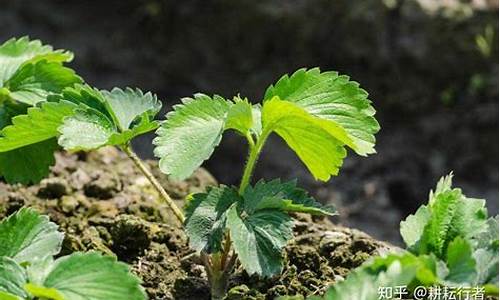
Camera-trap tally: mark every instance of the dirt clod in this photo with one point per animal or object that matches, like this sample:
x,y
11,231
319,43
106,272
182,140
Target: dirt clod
x,y
53,188
104,185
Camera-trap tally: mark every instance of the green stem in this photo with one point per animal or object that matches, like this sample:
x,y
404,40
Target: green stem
x,y
163,194
253,155
219,267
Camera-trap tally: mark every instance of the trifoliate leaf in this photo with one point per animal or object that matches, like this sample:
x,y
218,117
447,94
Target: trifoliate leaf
x,y
34,82
39,124
319,143
412,227
16,52
12,279
206,217
258,239
240,116
26,236
282,196
87,129
460,263
83,276
28,164
107,118
331,96
190,134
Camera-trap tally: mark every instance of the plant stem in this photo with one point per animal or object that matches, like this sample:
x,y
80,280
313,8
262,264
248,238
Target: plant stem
x,y
254,151
219,266
145,170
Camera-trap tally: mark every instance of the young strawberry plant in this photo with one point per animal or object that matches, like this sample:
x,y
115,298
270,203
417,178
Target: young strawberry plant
x,y
452,245
318,114
44,105
28,270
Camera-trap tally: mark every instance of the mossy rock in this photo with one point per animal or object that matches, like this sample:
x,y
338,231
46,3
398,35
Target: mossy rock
x,y
103,203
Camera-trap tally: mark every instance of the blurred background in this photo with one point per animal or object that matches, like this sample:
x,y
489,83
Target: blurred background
x,y
430,66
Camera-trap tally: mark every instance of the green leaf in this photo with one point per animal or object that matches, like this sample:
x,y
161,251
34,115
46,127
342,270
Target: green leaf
x,y
448,215
107,118
489,237
190,134
124,137
460,263
26,236
8,296
12,279
206,217
240,116
486,261
257,119
412,227
127,105
16,52
434,238
10,109
82,276
469,219
28,164
33,83
258,239
43,292
331,96
83,94
282,196
369,281
319,143
87,129
39,124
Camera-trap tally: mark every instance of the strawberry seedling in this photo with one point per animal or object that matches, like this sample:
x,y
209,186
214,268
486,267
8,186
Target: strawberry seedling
x,y
318,114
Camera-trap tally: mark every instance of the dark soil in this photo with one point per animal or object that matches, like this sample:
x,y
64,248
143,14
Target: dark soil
x,y
103,203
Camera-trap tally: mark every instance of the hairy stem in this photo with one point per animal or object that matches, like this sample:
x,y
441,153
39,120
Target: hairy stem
x,y
163,194
254,151
219,267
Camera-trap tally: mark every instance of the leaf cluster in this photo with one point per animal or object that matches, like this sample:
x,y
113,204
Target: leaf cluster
x,y
451,242
257,221
44,105
318,114
28,269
